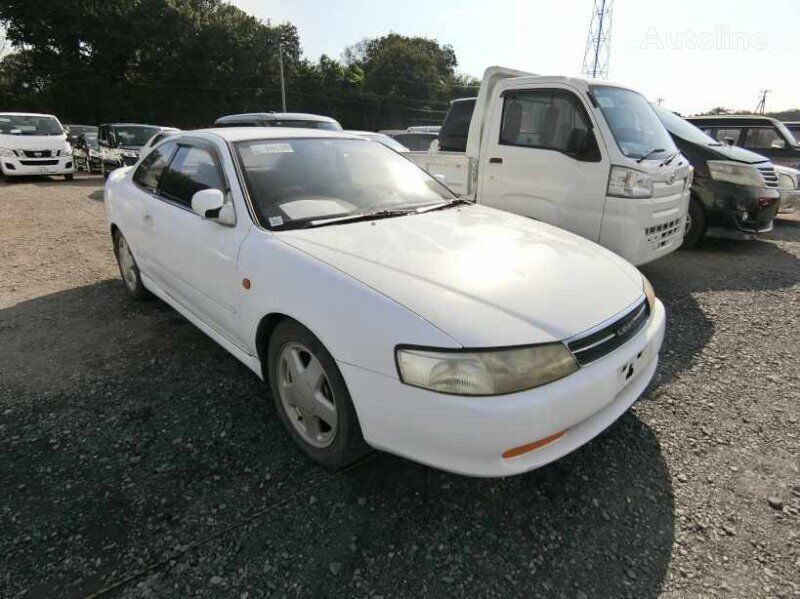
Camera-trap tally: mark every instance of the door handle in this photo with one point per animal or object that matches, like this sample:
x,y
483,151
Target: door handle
x,y
495,161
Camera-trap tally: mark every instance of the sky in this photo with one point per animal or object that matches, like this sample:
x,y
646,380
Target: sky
x,y
694,54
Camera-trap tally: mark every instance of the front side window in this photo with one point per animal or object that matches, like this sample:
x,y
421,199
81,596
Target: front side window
x,y
763,138
18,124
633,123
150,171
728,136
295,181
551,119
193,169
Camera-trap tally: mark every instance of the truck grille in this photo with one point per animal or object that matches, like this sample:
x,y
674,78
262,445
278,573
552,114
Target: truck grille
x,y
38,162
660,235
595,345
769,175
39,153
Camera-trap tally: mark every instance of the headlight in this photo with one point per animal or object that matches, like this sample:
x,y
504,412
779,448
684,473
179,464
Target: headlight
x,y
732,172
94,153
626,182
492,372
689,178
649,293
67,150
785,181
5,152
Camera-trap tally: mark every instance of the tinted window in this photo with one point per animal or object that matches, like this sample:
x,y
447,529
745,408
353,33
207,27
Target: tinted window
x,y
298,180
726,136
551,119
150,171
193,169
762,138
454,131
133,135
683,129
795,131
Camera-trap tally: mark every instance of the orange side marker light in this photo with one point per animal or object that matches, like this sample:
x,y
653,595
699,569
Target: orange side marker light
x,y
512,453
246,283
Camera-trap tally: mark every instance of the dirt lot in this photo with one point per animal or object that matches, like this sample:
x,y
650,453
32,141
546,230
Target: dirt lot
x,y
138,459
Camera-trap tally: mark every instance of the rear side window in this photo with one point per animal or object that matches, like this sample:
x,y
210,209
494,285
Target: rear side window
x,y
548,119
150,171
726,136
762,138
193,169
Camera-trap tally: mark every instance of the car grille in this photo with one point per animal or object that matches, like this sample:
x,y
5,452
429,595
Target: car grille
x,y
595,345
39,153
769,175
660,235
38,162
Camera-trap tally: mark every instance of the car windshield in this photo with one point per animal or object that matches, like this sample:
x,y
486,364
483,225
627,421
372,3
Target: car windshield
x,y
17,124
633,122
295,181
134,135
91,140
684,129
326,125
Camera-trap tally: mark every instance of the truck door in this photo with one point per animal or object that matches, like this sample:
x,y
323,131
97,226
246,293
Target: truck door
x,y
541,158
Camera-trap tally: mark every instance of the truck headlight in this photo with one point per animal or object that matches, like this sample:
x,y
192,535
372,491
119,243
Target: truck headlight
x,y
488,372
94,153
733,172
624,182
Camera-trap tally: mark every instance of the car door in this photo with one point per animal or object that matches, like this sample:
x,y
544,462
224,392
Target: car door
x,y
542,160
195,257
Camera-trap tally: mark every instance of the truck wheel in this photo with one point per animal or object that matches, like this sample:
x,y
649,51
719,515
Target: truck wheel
x,y
311,397
695,224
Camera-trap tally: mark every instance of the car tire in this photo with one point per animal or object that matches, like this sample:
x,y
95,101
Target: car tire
x,y
128,269
696,225
335,441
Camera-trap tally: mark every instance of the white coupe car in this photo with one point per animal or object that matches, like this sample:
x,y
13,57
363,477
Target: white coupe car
x,y
382,310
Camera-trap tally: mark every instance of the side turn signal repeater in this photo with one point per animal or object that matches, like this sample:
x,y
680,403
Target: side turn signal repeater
x,y
516,451
246,283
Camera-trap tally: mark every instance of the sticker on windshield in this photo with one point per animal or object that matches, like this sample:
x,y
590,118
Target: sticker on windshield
x,y
259,149
275,221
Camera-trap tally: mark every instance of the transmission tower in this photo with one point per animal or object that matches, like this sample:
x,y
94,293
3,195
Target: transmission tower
x,y
598,43
762,102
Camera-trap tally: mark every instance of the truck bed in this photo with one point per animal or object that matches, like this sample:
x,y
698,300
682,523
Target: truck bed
x,y
452,168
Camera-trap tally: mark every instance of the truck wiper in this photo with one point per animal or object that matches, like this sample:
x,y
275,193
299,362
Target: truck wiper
x,y
650,153
669,159
354,218
443,205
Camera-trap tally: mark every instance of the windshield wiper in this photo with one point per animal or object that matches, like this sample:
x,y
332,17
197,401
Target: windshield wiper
x,y
669,159
354,218
443,205
650,153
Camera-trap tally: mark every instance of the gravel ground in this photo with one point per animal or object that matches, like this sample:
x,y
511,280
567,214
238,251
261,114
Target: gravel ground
x,y
138,459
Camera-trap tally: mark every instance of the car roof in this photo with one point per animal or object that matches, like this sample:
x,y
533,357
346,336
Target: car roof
x,y
250,133
27,114
277,116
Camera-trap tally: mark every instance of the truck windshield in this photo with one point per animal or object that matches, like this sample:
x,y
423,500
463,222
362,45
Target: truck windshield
x,y
684,129
633,122
22,124
134,135
296,181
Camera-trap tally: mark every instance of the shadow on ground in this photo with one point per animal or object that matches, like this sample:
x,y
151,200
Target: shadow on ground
x,y
128,435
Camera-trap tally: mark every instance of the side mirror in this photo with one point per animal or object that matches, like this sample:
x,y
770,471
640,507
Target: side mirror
x,y
778,144
210,204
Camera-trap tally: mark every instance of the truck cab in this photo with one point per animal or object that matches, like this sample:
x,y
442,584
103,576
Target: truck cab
x,y
589,157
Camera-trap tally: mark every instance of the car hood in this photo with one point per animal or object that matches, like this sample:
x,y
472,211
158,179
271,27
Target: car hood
x,y
737,154
33,142
482,276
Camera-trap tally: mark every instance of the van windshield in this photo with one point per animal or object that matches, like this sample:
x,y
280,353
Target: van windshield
x,y
21,124
684,129
633,122
133,135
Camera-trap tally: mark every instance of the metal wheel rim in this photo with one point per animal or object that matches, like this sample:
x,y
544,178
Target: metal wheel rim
x,y
126,264
306,395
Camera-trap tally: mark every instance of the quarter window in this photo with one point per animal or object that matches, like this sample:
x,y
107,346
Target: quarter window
x,y
150,171
548,119
193,169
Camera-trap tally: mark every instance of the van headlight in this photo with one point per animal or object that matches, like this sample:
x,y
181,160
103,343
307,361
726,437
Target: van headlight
x,y
66,150
7,153
733,172
649,293
624,182
487,372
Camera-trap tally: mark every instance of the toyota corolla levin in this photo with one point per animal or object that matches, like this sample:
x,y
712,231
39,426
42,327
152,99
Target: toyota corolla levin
x,y
382,310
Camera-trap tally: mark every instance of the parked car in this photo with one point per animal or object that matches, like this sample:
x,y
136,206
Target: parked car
x,y
120,144
734,190
381,309
73,131
33,144
789,188
86,152
164,132
590,158
416,142
380,138
279,119
764,135
794,129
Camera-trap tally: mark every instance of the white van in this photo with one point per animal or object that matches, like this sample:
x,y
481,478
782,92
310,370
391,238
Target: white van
x,y
34,144
587,156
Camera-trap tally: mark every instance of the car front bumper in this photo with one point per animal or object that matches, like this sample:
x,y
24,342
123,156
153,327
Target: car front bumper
x,y
468,435
23,167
